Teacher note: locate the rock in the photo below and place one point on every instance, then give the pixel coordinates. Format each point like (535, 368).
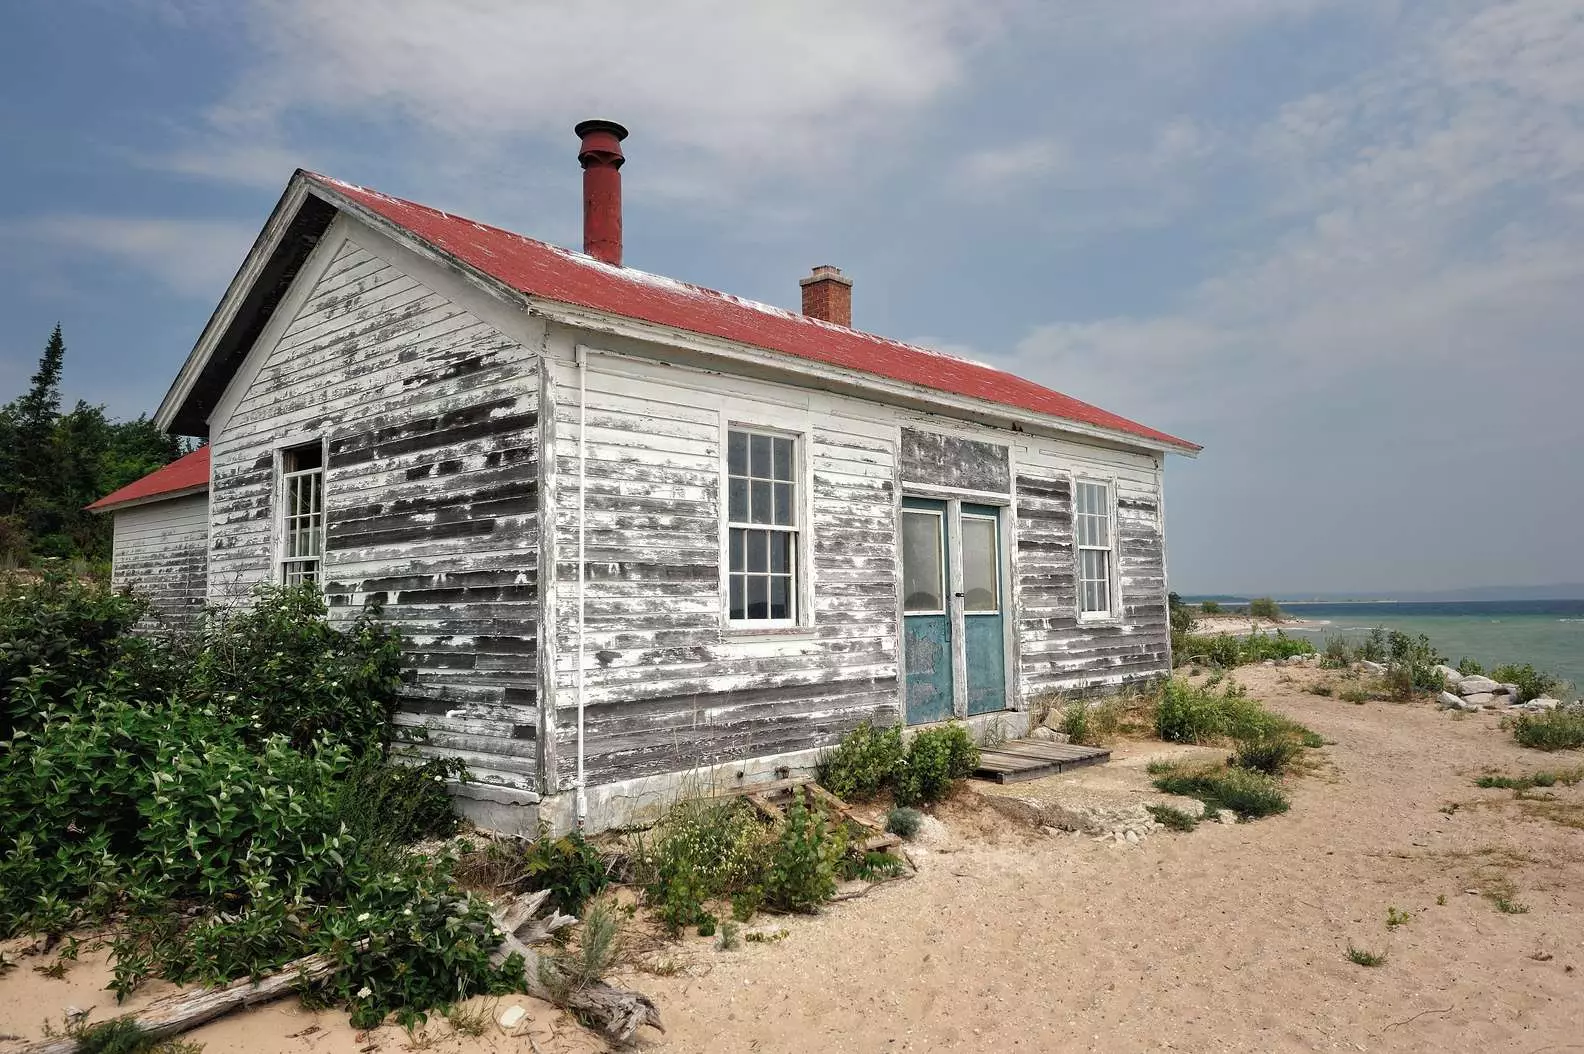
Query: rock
(1545, 702)
(1453, 678)
(1372, 667)
(1512, 690)
(1476, 686)
(1478, 699)
(511, 1017)
(1132, 837)
(1227, 816)
(1049, 735)
(1268, 662)
(1448, 701)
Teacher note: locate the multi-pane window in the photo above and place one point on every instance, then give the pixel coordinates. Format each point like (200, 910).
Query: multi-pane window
(302, 500)
(762, 527)
(1094, 548)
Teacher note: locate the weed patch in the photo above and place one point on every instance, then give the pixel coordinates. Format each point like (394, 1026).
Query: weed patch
(1363, 957)
(1172, 818)
(1559, 729)
(1247, 793)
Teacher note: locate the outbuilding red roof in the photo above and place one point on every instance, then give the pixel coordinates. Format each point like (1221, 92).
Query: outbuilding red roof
(188, 472)
(541, 270)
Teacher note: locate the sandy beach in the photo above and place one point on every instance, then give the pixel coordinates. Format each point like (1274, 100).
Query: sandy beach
(1230, 937)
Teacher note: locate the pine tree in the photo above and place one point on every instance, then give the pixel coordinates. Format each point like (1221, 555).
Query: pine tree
(30, 429)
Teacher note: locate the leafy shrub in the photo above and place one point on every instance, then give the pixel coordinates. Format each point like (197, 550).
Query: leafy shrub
(1532, 684)
(1247, 793)
(904, 822)
(1266, 608)
(865, 761)
(569, 867)
(1470, 667)
(233, 819)
(804, 861)
(1227, 650)
(65, 632)
(1180, 614)
(281, 667)
(935, 758)
(1559, 729)
(1210, 607)
(1373, 647)
(1189, 713)
(1338, 653)
(699, 851)
(1092, 724)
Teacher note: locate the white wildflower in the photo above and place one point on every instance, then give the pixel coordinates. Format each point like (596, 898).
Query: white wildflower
(365, 992)
(363, 917)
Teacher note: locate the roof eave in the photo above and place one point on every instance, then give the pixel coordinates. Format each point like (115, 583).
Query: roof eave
(637, 329)
(106, 505)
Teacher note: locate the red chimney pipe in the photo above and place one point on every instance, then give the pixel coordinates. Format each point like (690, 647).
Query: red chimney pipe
(601, 158)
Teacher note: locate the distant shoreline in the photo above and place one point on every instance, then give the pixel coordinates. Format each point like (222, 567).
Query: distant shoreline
(1243, 625)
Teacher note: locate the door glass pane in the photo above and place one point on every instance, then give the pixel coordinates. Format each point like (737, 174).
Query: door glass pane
(980, 565)
(922, 586)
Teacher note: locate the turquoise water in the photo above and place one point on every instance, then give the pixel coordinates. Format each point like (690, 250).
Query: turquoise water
(1548, 634)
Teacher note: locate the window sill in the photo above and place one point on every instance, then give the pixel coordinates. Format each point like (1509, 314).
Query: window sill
(738, 632)
(1100, 620)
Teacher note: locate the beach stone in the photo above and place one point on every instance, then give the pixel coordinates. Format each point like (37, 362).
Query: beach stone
(1372, 667)
(1512, 690)
(1478, 699)
(1268, 662)
(1448, 701)
(1132, 837)
(1545, 702)
(1476, 686)
(1453, 678)
(511, 1017)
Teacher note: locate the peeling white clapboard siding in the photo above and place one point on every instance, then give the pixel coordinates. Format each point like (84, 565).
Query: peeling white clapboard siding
(431, 420)
(1055, 650)
(668, 686)
(161, 552)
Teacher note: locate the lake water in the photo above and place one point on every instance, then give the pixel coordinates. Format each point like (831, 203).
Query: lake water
(1547, 633)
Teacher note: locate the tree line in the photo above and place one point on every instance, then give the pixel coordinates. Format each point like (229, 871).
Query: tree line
(52, 464)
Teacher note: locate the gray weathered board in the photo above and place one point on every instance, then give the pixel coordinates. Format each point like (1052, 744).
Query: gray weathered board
(1025, 759)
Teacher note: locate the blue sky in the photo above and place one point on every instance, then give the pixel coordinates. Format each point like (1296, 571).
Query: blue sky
(1339, 242)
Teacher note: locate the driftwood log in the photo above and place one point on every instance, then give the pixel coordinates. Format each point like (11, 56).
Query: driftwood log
(618, 1012)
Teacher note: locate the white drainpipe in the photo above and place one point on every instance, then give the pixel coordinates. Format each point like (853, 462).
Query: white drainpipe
(582, 368)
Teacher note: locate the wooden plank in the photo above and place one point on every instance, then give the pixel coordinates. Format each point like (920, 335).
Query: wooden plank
(1023, 759)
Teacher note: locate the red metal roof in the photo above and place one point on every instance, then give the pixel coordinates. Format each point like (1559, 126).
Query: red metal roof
(547, 271)
(187, 472)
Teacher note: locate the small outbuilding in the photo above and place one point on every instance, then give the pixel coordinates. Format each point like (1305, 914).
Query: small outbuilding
(640, 535)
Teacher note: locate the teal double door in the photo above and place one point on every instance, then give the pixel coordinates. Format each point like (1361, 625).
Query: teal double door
(953, 610)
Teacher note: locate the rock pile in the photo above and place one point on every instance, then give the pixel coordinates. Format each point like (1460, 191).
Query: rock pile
(1474, 692)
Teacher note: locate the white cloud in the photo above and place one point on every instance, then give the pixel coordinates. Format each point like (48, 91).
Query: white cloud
(748, 89)
(191, 257)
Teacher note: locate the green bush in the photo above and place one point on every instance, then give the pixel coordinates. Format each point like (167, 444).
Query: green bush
(280, 666)
(1272, 754)
(230, 824)
(864, 762)
(936, 757)
(1373, 647)
(1249, 794)
(569, 867)
(1180, 615)
(804, 861)
(1266, 608)
(1532, 684)
(699, 851)
(1189, 713)
(1209, 607)
(1338, 653)
(1559, 729)
(1226, 650)
(904, 822)
(1470, 667)
(1172, 818)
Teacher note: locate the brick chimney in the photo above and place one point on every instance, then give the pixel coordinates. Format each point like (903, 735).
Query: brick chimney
(601, 157)
(827, 295)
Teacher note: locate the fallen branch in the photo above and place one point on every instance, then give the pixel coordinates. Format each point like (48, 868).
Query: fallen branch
(178, 1013)
(618, 1012)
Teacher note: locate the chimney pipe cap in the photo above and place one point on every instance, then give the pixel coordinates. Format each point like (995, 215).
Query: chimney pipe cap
(586, 128)
(825, 273)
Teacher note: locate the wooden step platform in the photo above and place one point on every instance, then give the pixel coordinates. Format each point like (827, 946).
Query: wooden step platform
(1029, 759)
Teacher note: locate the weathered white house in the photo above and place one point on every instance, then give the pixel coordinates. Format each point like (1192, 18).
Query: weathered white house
(636, 531)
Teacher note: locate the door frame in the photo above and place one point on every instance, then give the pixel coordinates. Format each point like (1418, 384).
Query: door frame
(955, 499)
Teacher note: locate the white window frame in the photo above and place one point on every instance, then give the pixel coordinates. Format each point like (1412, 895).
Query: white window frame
(285, 480)
(1113, 611)
(994, 519)
(944, 564)
(798, 596)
